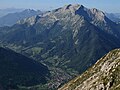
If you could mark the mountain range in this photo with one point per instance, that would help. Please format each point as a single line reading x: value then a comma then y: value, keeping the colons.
x: 68, y: 40
x: 4, y: 12
x: 12, y: 18
x: 115, y: 17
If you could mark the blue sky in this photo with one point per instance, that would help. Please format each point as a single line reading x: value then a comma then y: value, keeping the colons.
x: 105, y: 5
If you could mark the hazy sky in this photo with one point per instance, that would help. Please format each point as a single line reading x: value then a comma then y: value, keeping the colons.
x: 105, y: 5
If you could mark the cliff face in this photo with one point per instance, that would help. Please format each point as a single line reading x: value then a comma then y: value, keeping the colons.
x: 104, y: 75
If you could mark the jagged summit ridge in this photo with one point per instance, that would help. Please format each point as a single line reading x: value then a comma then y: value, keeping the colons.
x: 69, y: 8
x: 98, y: 14
x: 91, y: 15
x: 75, y: 6
x: 30, y: 21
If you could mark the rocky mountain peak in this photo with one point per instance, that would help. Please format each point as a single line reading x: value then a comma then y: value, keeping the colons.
x: 28, y: 10
x: 30, y: 21
x: 71, y: 8
x: 91, y: 15
x: 75, y: 6
x: 99, y: 15
x: 94, y: 14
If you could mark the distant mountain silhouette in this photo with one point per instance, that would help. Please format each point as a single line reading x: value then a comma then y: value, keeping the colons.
x: 12, y: 18
x: 4, y: 12
x: 115, y: 17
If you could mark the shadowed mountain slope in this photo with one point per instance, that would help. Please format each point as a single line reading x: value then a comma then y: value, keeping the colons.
x: 18, y: 70
x: 12, y: 18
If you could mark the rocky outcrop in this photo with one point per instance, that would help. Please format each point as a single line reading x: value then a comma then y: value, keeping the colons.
x: 104, y: 75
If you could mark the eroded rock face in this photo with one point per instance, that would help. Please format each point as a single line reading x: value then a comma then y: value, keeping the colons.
x: 104, y: 75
